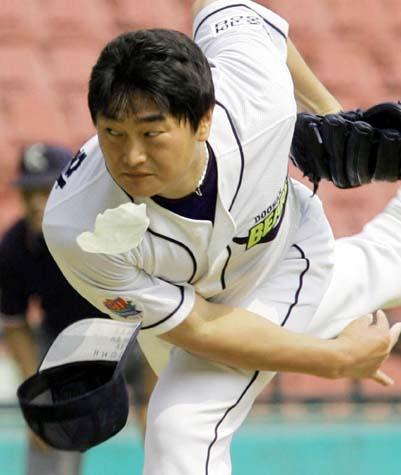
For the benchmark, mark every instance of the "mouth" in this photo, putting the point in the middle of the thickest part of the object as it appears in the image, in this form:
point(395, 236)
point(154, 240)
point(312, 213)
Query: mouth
point(136, 175)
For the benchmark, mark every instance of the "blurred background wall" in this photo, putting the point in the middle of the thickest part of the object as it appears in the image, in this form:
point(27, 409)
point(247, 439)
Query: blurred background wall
point(47, 48)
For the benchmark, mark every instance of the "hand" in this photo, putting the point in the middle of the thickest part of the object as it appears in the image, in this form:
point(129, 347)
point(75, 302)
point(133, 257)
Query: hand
point(367, 342)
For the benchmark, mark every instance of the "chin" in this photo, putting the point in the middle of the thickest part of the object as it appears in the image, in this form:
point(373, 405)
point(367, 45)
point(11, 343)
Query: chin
point(145, 187)
point(140, 192)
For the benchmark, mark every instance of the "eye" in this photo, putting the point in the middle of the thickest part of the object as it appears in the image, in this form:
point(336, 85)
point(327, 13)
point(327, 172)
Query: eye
point(113, 133)
point(152, 134)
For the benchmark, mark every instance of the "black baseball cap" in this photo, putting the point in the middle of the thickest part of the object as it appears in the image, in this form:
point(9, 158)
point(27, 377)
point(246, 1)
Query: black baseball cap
point(40, 164)
point(78, 397)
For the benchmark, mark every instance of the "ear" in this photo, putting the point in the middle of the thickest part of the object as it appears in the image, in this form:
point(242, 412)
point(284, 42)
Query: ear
point(202, 134)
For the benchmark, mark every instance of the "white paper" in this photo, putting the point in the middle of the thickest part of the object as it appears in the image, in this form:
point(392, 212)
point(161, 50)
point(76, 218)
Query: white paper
point(91, 339)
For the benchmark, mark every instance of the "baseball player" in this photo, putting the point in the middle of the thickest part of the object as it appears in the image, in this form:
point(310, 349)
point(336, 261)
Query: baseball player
point(180, 213)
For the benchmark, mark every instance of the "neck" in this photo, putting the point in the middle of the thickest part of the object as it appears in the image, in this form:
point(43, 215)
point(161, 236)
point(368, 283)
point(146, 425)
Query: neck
point(198, 189)
point(192, 181)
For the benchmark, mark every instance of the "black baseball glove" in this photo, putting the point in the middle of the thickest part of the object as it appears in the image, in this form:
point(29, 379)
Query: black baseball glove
point(349, 148)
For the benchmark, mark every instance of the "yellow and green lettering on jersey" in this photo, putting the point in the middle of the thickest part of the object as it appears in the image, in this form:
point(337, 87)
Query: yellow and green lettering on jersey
point(266, 229)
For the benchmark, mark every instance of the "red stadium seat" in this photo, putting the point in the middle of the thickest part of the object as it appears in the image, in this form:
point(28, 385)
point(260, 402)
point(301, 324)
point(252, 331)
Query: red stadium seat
point(174, 14)
point(35, 115)
point(86, 20)
point(22, 67)
point(75, 110)
point(20, 21)
point(319, 19)
point(353, 64)
point(71, 67)
point(367, 16)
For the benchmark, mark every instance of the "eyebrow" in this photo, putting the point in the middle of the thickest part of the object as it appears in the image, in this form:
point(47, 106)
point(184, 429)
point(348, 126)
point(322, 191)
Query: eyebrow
point(151, 118)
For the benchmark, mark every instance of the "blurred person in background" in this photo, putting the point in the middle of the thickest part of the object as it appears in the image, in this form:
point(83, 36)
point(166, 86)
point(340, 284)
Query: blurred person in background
point(29, 276)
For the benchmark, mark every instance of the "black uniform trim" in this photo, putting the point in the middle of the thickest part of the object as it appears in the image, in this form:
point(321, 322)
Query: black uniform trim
point(222, 419)
point(301, 281)
point(239, 5)
point(223, 272)
point(241, 151)
point(171, 314)
point(195, 266)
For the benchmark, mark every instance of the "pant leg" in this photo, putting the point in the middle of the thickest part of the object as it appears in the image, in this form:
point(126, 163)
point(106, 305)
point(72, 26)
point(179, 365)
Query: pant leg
point(193, 413)
point(52, 462)
point(367, 273)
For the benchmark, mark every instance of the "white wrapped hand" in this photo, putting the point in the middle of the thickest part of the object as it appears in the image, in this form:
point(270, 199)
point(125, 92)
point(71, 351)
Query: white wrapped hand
point(116, 230)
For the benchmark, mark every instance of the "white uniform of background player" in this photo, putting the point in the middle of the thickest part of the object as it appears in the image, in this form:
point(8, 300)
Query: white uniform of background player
point(270, 249)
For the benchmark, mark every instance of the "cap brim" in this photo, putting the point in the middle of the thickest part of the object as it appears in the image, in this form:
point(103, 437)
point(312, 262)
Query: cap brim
point(91, 339)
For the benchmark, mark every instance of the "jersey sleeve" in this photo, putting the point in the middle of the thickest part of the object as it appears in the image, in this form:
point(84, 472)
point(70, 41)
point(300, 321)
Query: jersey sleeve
point(116, 286)
point(246, 45)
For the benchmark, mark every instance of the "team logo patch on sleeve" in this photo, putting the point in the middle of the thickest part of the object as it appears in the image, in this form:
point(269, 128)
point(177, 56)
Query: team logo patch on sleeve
point(234, 21)
point(121, 307)
point(267, 223)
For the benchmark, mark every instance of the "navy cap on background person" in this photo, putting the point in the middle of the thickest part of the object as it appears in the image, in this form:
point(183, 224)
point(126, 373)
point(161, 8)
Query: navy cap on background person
point(41, 164)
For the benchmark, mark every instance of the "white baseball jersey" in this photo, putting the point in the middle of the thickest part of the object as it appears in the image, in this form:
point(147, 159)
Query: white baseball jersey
point(263, 219)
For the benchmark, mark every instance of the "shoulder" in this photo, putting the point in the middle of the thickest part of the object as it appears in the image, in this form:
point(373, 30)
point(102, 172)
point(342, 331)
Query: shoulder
point(246, 45)
point(242, 34)
point(72, 204)
point(224, 17)
point(72, 208)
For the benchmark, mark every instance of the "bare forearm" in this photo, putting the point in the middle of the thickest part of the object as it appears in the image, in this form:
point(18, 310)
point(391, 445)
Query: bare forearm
point(242, 339)
point(22, 347)
point(264, 346)
point(311, 95)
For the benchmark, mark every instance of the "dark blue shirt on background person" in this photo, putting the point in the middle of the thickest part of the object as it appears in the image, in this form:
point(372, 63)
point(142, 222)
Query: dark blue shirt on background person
point(27, 270)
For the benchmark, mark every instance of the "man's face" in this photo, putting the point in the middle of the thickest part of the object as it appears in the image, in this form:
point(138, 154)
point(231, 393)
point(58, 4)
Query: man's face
point(35, 202)
point(151, 153)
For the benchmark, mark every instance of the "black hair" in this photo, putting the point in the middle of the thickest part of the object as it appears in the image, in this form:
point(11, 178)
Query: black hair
point(163, 66)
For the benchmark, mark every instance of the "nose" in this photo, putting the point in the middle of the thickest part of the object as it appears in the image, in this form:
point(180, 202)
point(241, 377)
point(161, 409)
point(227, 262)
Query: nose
point(134, 154)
